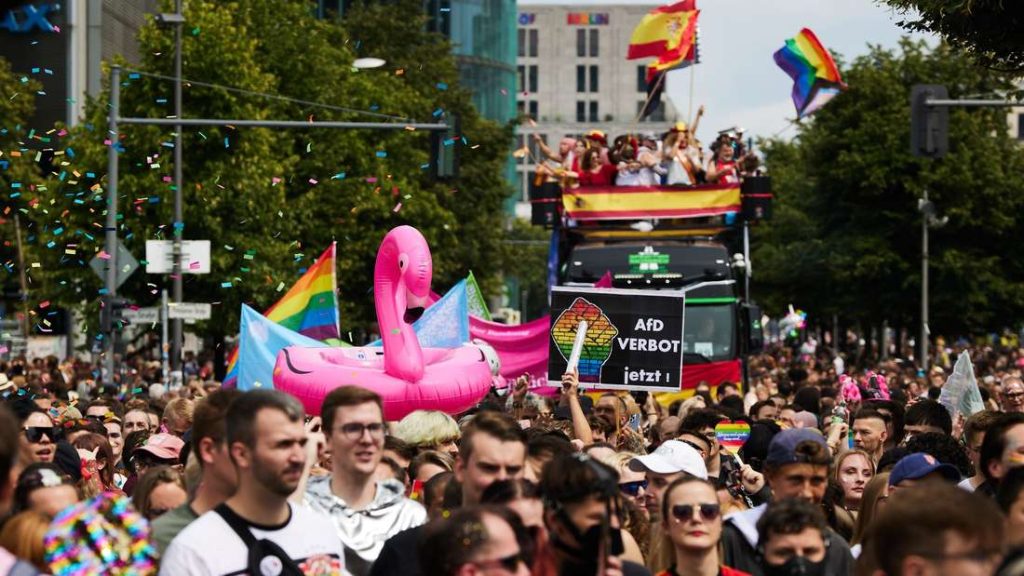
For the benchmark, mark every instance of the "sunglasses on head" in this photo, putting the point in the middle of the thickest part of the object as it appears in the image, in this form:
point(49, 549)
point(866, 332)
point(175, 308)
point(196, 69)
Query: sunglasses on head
point(684, 512)
point(509, 563)
point(35, 433)
point(632, 488)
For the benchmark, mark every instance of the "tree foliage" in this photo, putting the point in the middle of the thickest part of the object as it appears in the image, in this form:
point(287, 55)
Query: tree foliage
point(989, 30)
point(847, 236)
point(270, 201)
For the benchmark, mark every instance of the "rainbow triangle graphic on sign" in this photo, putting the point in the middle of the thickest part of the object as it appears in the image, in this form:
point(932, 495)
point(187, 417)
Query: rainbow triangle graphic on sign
point(597, 346)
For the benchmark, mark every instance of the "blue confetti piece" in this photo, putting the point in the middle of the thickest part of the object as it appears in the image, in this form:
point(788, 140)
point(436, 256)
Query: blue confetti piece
point(382, 154)
point(338, 176)
point(442, 85)
point(225, 284)
point(438, 112)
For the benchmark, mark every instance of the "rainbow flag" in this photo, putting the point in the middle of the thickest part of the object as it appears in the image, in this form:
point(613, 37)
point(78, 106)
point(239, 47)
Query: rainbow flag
point(309, 308)
point(816, 78)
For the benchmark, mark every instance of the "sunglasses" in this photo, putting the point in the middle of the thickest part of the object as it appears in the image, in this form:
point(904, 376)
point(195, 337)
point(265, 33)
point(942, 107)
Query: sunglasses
point(632, 488)
point(508, 563)
point(35, 433)
point(684, 512)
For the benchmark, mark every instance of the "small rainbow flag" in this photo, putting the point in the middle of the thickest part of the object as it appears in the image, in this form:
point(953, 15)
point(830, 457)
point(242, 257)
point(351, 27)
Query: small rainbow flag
point(732, 435)
point(816, 78)
point(309, 308)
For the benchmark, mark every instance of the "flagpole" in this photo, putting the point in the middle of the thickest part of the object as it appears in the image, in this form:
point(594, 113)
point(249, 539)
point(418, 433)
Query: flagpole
point(693, 73)
point(650, 94)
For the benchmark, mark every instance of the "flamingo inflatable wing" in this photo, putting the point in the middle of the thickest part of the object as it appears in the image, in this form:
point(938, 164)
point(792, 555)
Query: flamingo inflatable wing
point(406, 376)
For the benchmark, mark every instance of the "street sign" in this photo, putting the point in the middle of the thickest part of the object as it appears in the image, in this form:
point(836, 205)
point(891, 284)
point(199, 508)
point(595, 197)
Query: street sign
point(126, 265)
point(634, 338)
point(195, 256)
point(149, 315)
point(189, 311)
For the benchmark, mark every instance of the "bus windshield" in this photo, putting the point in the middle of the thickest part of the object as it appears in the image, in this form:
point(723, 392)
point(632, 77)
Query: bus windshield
point(708, 333)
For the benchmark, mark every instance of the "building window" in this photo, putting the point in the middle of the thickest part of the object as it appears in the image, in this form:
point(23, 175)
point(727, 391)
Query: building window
point(581, 111)
point(593, 112)
point(593, 42)
point(581, 78)
point(641, 78)
point(533, 110)
point(533, 42)
point(1020, 126)
point(520, 78)
point(533, 79)
point(593, 78)
point(581, 42)
point(521, 35)
point(520, 108)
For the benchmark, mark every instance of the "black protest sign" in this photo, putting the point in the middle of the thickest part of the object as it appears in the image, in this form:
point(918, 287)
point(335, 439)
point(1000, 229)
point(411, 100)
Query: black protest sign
point(633, 342)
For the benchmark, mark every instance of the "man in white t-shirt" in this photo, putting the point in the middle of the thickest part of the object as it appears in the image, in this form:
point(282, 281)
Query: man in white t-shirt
point(257, 531)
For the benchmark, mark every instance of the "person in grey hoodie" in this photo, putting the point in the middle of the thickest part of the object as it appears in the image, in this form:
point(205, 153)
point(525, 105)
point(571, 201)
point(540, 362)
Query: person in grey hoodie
point(796, 467)
point(365, 511)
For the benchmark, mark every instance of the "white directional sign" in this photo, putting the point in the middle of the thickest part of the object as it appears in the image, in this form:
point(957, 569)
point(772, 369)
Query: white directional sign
point(190, 311)
point(142, 315)
point(195, 256)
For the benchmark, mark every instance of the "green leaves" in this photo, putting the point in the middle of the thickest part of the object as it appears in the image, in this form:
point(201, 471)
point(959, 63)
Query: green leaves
point(847, 189)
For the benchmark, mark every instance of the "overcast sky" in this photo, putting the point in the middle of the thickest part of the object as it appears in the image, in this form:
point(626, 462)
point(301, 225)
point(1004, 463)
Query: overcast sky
point(737, 80)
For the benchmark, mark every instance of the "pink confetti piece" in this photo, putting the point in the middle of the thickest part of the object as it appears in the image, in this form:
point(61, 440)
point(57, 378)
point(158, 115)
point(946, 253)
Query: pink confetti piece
point(371, 180)
point(397, 207)
point(313, 181)
point(193, 265)
point(103, 255)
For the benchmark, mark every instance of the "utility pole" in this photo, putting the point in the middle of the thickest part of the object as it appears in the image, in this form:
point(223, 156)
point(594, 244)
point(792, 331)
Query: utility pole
point(111, 227)
point(177, 19)
point(924, 283)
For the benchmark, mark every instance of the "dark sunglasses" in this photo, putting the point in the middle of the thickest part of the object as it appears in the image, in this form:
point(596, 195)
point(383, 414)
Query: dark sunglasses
point(35, 433)
point(684, 512)
point(632, 488)
point(508, 563)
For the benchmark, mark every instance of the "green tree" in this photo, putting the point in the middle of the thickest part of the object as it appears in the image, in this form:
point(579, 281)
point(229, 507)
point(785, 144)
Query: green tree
point(271, 200)
point(989, 30)
point(847, 239)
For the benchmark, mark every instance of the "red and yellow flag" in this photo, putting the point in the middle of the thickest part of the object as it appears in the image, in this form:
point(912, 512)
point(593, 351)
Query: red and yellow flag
point(661, 30)
point(682, 53)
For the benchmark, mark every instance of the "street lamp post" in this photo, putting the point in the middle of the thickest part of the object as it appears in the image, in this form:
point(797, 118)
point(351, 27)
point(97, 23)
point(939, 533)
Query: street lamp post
point(929, 219)
point(177, 20)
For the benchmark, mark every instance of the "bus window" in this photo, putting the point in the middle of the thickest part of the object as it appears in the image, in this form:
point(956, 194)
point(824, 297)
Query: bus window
point(709, 334)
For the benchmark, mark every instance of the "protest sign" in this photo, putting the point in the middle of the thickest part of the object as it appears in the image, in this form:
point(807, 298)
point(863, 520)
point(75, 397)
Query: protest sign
point(634, 338)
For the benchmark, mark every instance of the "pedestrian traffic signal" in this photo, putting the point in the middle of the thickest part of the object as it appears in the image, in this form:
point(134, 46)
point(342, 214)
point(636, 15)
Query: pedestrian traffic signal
point(929, 125)
point(112, 314)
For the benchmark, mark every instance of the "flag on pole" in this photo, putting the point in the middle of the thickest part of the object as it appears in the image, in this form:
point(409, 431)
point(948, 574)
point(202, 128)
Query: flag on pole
point(816, 78)
point(260, 340)
point(660, 30)
point(681, 55)
point(310, 307)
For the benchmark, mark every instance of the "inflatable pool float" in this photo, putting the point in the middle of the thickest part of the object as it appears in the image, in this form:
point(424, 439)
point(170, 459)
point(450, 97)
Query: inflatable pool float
point(406, 376)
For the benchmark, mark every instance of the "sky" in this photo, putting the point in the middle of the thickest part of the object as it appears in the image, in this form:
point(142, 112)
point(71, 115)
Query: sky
point(737, 80)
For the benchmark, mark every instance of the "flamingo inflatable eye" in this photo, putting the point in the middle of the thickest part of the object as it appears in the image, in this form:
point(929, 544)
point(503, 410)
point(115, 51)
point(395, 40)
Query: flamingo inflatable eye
point(403, 260)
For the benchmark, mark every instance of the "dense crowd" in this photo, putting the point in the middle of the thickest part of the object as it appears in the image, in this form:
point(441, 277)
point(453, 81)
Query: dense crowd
point(844, 470)
point(674, 158)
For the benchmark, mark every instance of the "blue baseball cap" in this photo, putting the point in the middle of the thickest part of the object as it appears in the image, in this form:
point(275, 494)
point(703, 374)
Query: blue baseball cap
point(918, 465)
point(782, 449)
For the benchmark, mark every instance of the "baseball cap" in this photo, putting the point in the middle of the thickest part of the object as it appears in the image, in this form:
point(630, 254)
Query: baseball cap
point(165, 446)
point(782, 449)
point(918, 465)
point(671, 457)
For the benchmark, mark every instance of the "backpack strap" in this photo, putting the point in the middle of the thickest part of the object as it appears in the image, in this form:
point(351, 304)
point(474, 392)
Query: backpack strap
point(258, 549)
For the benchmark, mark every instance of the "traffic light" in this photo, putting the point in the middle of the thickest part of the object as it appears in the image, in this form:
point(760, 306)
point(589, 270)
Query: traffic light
point(112, 314)
point(444, 150)
point(929, 125)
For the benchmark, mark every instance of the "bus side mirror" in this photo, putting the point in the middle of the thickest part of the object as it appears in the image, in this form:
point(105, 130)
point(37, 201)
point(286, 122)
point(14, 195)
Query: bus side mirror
point(753, 335)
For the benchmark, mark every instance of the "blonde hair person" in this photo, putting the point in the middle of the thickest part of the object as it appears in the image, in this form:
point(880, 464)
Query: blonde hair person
point(691, 526)
point(853, 477)
point(22, 536)
point(429, 430)
point(875, 495)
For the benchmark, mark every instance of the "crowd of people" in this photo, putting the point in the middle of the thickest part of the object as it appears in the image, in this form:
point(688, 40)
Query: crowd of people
point(645, 159)
point(843, 471)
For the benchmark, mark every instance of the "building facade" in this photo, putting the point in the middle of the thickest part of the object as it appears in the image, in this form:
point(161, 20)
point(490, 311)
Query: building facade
point(573, 76)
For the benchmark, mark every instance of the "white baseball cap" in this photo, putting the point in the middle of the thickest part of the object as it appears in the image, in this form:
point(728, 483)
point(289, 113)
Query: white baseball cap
point(672, 457)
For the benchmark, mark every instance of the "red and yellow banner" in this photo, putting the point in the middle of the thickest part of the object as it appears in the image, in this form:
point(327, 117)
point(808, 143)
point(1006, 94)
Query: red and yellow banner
point(636, 202)
point(661, 30)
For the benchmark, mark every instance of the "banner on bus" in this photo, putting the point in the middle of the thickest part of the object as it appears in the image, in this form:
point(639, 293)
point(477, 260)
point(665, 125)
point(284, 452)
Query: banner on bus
point(632, 202)
point(634, 338)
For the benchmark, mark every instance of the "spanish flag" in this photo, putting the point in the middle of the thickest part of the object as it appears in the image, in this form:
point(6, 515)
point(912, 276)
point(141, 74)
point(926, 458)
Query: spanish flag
point(683, 52)
point(661, 30)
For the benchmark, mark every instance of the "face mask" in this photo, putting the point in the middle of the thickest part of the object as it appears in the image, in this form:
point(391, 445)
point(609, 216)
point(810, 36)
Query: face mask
point(796, 566)
point(590, 541)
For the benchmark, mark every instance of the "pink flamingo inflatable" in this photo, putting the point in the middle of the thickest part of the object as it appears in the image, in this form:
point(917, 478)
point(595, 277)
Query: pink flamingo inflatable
point(406, 376)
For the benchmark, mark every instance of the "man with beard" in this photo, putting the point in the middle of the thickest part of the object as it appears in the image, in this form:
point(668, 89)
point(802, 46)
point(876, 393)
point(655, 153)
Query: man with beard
point(257, 531)
point(366, 511)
